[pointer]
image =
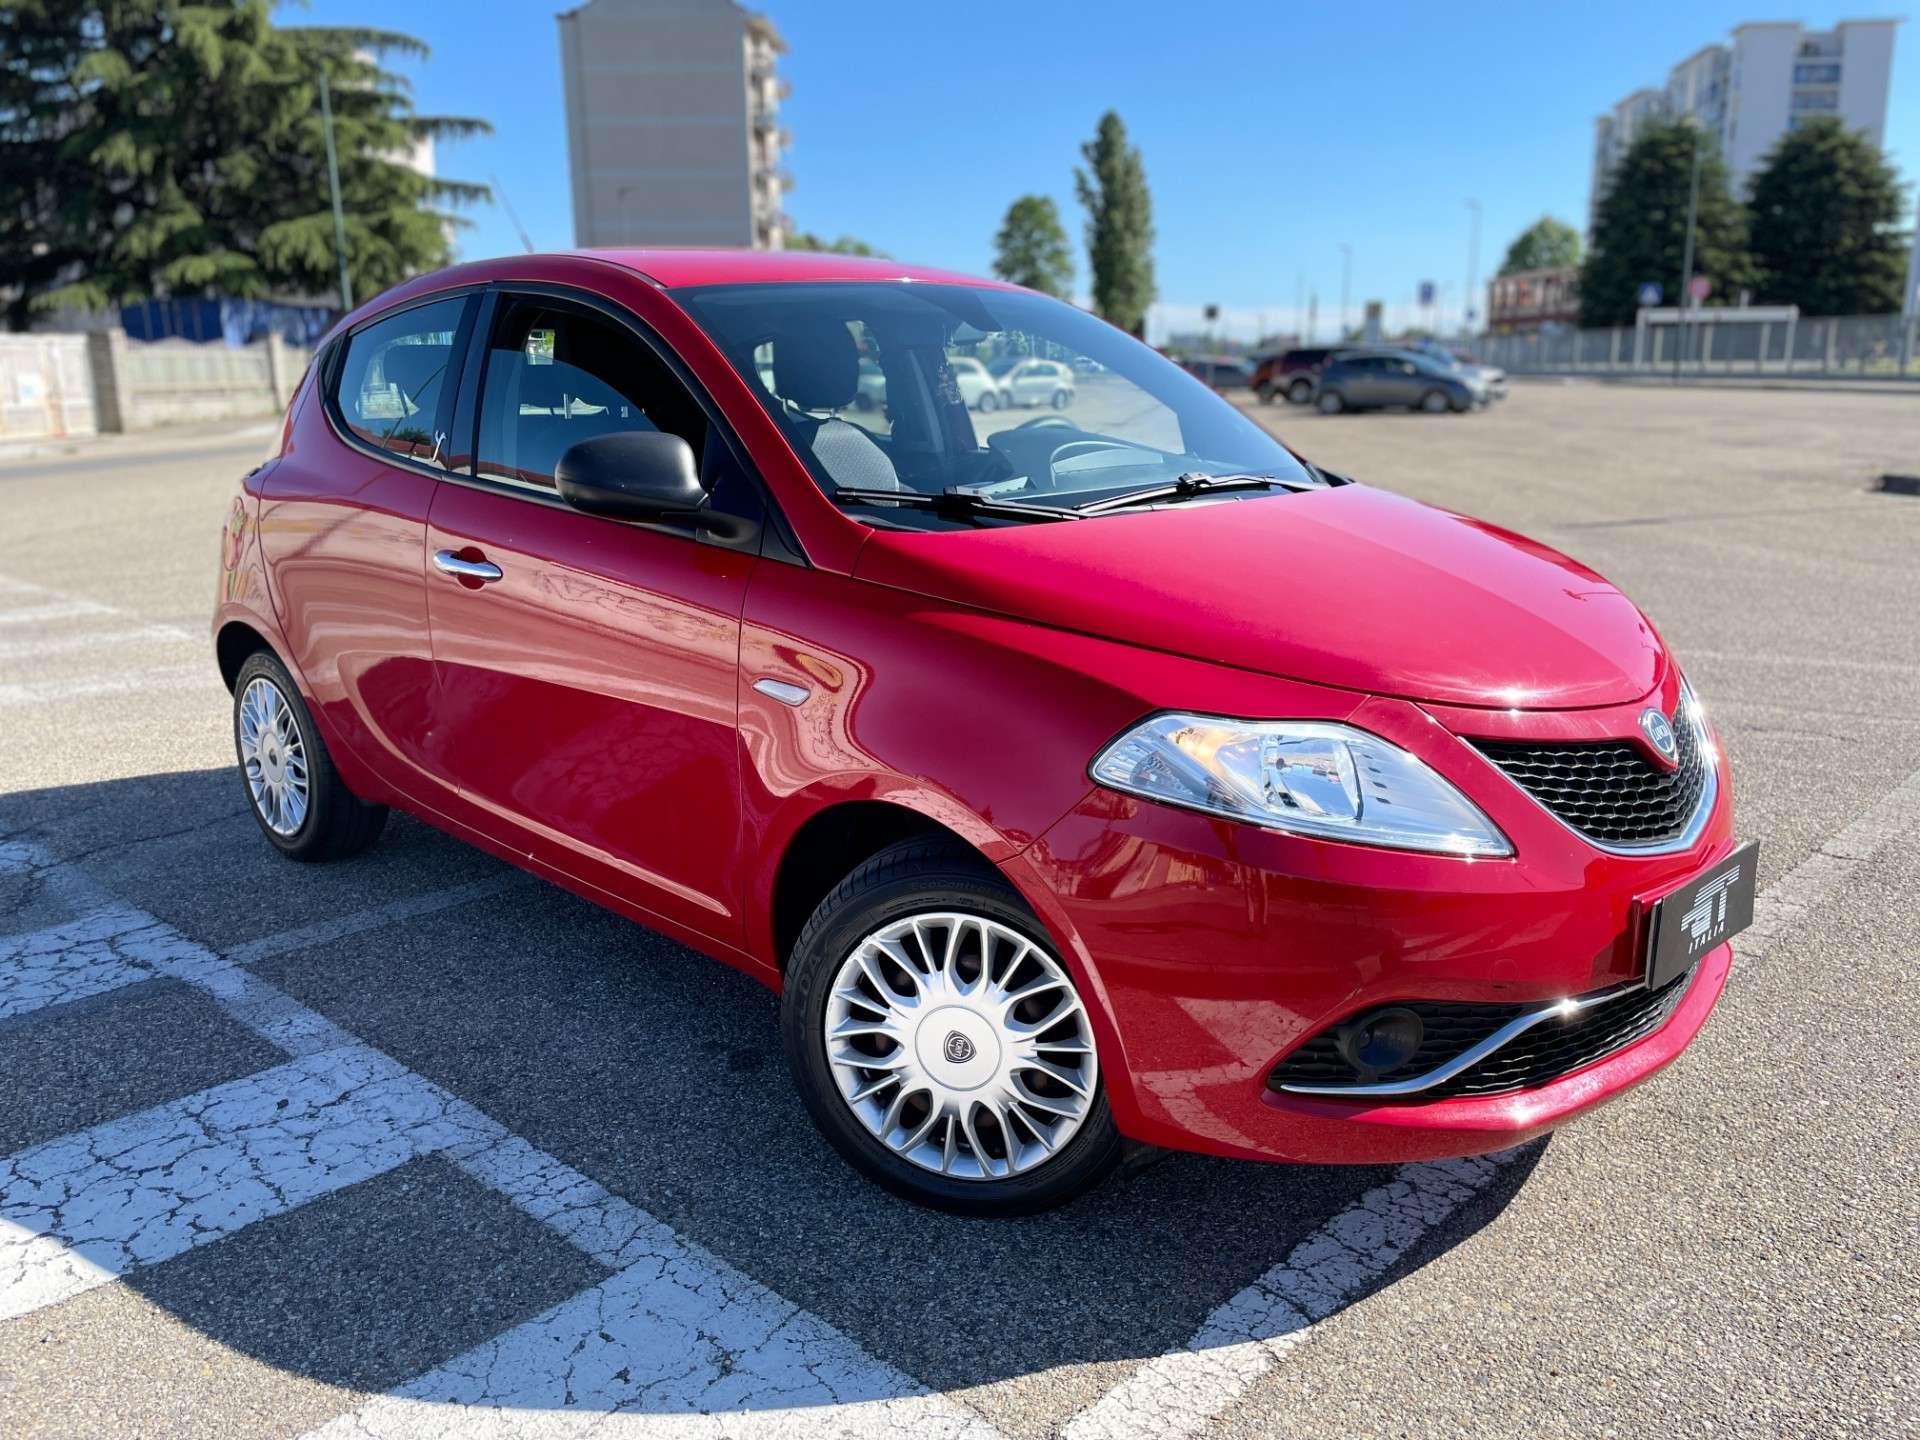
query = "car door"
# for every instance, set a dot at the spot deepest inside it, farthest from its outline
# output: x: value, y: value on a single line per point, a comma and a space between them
x: 1403, y: 383
x: 588, y: 667
x: 343, y: 517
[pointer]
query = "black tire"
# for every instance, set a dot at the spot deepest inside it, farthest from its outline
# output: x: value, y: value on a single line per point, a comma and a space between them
x: 989, y: 402
x: 1265, y: 392
x: 910, y: 877
x: 336, y: 823
x: 1435, y: 402
x: 1062, y: 399
x: 1332, y: 402
x: 1300, y: 392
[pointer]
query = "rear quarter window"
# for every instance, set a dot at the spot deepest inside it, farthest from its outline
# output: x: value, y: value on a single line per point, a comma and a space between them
x: 396, y: 377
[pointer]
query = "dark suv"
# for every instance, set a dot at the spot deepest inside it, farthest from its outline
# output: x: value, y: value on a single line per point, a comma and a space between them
x: 1293, y: 373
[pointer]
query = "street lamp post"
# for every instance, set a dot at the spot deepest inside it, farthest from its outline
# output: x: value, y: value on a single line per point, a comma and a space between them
x: 333, y: 184
x: 1473, y: 270
x: 1346, y: 285
x: 1686, y: 261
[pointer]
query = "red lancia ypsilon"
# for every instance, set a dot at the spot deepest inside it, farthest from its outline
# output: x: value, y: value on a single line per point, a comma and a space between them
x: 1092, y: 768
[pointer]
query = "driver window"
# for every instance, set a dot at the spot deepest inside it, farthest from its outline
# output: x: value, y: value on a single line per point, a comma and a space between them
x: 557, y: 375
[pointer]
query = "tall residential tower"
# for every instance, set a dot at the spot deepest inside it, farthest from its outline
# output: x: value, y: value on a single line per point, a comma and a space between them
x: 673, y: 130
x: 1749, y: 92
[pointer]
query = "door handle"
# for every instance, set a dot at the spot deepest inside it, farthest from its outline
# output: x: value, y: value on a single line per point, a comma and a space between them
x: 448, y: 563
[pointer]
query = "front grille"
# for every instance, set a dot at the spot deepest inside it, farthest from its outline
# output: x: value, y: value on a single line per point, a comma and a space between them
x: 1535, y: 1057
x: 1610, y: 791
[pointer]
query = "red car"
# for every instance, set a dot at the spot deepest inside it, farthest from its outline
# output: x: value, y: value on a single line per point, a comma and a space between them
x: 1111, y: 773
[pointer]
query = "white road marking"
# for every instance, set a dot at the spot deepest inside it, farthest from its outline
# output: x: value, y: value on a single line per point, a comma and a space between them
x: 676, y: 1340
x: 50, y: 692
x: 139, y: 1190
x: 1181, y: 1392
x: 51, y: 610
x: 71, y: 961
x: 47, y: 646
x: 1243, y: 1339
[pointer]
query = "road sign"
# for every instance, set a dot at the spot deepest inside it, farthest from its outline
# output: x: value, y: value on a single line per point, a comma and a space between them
x: 1650, y: 293
x: 1426, y: 292
x: 1699, y: 288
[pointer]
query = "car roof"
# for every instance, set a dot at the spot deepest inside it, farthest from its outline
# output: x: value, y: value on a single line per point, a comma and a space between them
x: 674, y: 268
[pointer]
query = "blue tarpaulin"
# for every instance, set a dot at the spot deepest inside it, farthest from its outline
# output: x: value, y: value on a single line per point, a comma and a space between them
x: 237, y: 322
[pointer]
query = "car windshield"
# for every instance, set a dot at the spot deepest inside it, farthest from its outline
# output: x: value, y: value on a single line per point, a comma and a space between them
x: 1100, y: 416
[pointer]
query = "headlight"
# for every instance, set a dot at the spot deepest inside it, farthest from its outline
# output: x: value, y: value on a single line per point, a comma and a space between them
x: 1306, y: 777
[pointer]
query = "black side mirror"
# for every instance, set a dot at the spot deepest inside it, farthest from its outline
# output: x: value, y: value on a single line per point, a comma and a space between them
x: 631, y: 475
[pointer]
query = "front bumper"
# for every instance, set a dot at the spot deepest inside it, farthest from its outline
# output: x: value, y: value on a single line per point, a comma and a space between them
x: 1210, y: 950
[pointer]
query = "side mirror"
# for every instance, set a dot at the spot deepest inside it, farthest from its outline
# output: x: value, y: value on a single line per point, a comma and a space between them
x: 631, y: 475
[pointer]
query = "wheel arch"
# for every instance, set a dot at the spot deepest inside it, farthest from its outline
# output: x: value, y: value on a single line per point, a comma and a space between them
x: 236, y: 640
x: 831, y: 844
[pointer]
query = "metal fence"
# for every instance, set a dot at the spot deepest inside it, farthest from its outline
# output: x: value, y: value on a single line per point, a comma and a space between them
x: 1712, y: 342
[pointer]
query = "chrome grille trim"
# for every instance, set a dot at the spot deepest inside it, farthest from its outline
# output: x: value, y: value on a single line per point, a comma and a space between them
x: 1705, y: 755
x: 1473, y: 1055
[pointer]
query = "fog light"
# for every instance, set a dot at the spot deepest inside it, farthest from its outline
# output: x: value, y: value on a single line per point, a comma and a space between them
x: 1381, y: 1040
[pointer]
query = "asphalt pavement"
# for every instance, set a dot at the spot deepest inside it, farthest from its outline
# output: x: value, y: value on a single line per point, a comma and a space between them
x: 415, y: 1145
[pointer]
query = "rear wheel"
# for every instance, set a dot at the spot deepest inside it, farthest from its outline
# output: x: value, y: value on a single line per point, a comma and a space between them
x: 1062, y: 399
x: 938, y: 1042
x: 1265, y: 392
x: 987, y: 402
x: 1435, y: 402
x: 1332, y: 402
x: 1300, y: 392
x: 298, y: 799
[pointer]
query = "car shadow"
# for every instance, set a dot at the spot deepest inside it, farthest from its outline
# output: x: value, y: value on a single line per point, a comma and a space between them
x: 659, y: 1074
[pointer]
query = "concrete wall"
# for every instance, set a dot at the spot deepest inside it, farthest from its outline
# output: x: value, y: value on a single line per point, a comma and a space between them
x: 138, y: 385
x: 45, y: 390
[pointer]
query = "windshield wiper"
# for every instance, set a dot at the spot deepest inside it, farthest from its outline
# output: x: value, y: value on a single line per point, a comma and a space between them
x: 954, y: 504
x: 1185, y: 488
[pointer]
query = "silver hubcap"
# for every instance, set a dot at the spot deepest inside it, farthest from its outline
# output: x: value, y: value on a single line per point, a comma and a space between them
x: 274, y: 756
x: 961, y: 1045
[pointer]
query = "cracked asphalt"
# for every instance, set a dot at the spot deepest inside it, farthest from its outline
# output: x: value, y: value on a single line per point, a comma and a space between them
x: 412, y: 1145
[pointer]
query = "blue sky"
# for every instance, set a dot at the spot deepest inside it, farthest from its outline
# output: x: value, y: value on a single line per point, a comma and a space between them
x: 1272, y: 133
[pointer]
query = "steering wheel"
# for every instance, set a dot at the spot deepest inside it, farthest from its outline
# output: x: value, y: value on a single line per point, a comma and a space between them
x: 1087, y: 447
x: 1045, y: 420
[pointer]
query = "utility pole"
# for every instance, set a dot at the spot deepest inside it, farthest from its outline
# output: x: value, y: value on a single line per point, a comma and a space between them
x: 1686, y: 261
x: 1473, y: 270
x: 333, y: 184
x: 1346, y: 285
x: 1299, y: 303
x: 1313, y: 317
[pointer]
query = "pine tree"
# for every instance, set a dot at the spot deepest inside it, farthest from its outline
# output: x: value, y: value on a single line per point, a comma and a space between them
x: 1113, y: 188
x: 1031, y: 248
x: 153, y: 148
x: 1547, y: 244
x: 1640, y: 233
x: 1826, y: 213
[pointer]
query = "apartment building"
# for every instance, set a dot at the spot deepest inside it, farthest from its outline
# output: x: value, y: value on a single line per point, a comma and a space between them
x: 1767, y: 78
x: 673, y: 130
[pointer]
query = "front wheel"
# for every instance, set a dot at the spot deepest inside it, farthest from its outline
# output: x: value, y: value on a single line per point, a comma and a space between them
x: 987, y: 402
x: 296, y: 796
x: 1300, y: 392
x: 1062, y: 399
x: 1435, y: 402
x: 1332, y: 402
x: 938, y: 1042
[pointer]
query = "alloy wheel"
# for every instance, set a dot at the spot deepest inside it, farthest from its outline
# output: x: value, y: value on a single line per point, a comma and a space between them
x: 273, y: 755
x: 961, y: 1045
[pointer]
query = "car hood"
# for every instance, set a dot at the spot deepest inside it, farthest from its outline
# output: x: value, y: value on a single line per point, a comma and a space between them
x: 1350, y: 586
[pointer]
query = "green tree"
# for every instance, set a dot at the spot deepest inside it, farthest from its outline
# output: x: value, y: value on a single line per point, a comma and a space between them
x: 1546, y: 244
x: 1825, y: 219
x: 845, y: 245
x: 1113, y: 188
x: 1640, y: 232
x: 154, y: 148
x: 1031, y: 248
